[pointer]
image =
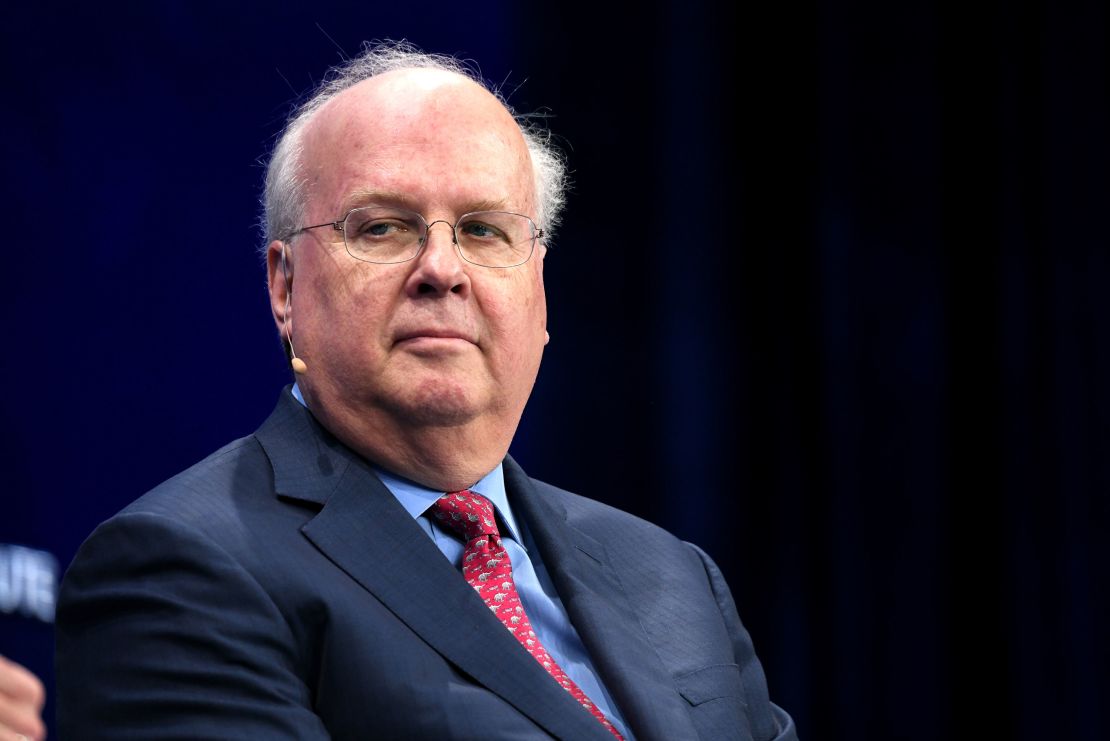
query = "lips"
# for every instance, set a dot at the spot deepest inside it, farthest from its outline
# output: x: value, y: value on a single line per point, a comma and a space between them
x: 432, y: 333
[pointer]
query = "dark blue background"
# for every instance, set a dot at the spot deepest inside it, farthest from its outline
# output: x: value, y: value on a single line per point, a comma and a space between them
x: 830, y: 300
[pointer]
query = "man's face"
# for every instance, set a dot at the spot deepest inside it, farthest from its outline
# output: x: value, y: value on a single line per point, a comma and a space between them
x: 435, y: 342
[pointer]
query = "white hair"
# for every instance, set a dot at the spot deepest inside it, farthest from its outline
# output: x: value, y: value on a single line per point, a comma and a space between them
x: 283, y: 203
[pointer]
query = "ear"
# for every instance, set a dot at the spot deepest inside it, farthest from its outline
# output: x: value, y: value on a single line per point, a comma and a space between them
x: 280, y: 280
x: 543, y: 254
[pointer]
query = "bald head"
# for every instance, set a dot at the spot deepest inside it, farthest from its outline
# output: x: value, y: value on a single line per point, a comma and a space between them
x: 286, y: 181
x: 429, y: 133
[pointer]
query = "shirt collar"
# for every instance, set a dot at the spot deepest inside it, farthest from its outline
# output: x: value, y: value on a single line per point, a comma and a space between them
x: 416, y: 499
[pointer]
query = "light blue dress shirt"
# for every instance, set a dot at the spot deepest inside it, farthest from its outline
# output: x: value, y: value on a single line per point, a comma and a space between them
x: 541, y: 603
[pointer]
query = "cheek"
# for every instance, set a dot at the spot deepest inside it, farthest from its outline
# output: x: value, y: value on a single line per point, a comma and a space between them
x: 347, y: 304
x: 332, y: 297
x: 521, y: 321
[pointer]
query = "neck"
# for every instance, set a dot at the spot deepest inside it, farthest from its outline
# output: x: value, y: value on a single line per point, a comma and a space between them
x: 445, y: 458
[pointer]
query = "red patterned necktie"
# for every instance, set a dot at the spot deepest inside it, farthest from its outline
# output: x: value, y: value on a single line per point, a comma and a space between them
x: 487, y: 568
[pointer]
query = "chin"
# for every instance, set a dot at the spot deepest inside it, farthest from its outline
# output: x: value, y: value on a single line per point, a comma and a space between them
x: 438, y: 404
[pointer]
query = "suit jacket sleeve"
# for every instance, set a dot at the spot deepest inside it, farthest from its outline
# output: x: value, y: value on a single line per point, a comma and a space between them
x: 767, y: 719
x: 161, y: 634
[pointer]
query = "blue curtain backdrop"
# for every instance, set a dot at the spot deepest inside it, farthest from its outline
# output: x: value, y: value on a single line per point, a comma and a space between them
x: 830, y: 300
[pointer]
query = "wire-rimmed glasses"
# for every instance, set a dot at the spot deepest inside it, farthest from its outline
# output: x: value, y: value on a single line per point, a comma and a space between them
x: 387, y: 235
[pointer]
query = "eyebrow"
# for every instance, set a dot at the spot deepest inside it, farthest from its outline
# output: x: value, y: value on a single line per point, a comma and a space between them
x: 360, y: 198
x: 384, y: 197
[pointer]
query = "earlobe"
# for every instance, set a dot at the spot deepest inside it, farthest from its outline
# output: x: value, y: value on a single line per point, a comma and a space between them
x: 546, y: 337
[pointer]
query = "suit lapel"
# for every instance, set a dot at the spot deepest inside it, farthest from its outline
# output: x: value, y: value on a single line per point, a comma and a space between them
x: 365, y: 531
x: 603, y: 615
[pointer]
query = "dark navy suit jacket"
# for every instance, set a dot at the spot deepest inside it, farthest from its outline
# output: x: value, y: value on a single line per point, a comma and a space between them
x: 277, y: 590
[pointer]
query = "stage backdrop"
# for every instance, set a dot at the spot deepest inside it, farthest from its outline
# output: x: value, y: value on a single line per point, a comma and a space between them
x: 830, y: 300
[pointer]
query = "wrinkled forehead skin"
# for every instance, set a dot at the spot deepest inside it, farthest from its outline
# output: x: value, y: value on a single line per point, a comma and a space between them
x: 434, y: 137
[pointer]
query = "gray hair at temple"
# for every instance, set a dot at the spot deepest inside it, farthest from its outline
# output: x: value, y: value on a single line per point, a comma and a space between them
x: 284, y: 199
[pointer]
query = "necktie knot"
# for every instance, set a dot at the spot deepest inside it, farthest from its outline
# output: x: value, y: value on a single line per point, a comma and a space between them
x: 467, y: 513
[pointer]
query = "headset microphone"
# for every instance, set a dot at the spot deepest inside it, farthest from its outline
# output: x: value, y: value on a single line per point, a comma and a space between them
x: 296, y: 363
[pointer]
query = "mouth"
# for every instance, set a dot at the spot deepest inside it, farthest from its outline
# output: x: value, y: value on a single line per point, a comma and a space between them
x: 432, y: 338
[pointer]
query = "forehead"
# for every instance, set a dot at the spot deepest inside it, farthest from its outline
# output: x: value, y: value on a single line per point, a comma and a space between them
x: 433, y: 137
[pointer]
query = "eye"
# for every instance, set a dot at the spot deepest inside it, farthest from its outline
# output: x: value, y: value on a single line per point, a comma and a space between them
x: 382, y: 227
x: 481, y: 230
x: 380, y: 224
x: 378, y: 228
x: 383, y: 234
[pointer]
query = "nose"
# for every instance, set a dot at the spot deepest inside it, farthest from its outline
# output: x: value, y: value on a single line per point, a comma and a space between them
x: 428, y: 229
x: 439, y: 268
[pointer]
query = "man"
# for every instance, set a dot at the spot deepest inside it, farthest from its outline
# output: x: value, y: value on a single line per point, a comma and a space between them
x: 294, y: 584
x: 21, y: 699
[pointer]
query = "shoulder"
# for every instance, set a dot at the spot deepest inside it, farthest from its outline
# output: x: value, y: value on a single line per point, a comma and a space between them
x: 213, y: 476
x: 224, y: 508
x: 219, y: 500
x: 631, y: 542
x: 589, y: 514
x: 192, y: 493
x: 203, y: 514
x: 240, y: 475
x: 183, y: 578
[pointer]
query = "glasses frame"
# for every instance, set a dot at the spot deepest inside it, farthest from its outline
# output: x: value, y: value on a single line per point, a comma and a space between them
x: 340, y: 226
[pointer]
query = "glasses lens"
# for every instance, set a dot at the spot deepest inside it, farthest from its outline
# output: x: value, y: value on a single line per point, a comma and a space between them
x: 382, y: 234
x: 496, y: 239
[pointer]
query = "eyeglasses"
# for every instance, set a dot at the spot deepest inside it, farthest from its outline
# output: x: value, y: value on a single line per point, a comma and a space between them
x: 387, y: 235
